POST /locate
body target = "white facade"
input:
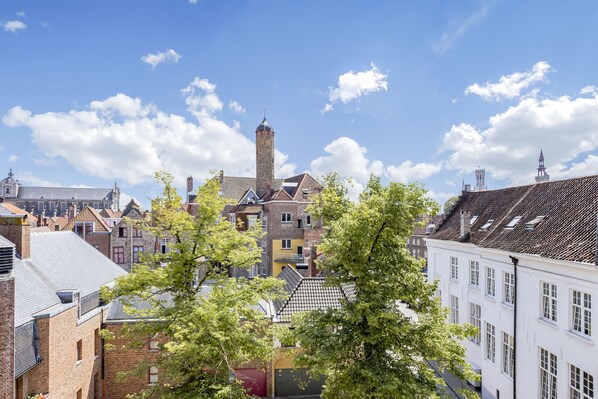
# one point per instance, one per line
(555, 301)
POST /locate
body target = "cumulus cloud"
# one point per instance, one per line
(154, 59)
(349, 159)
(352, 85)
(565, 127)
(14, 26)
(13, 158)
(123, 134)
(510, 86)
(236, 107)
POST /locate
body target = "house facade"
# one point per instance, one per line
(91, 227)
(520, 264)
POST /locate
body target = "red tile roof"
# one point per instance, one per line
(567, 232)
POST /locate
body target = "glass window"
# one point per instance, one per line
(508, 350)
(490, 342)
(475, 315)
(581, 384)
(454, 309)
(549, 301)
(286, 217)
(454, 268)
(137, 249)
(513, 222)
(548, 374)
(153, 375)
(582, 313)
(508, 288)
(286, 244)
(118, 255)
(474, 273)
(490, 282)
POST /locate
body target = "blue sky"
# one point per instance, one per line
(97, 92)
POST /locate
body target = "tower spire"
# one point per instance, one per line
(542, 175)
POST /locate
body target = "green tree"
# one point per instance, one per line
(449, 204)
(212, 322)
(371, 348)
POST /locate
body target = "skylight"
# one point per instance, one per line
(473, 220)
(487, 225)
(534, 222)
(513, 222)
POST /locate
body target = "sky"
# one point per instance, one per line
(93, 93)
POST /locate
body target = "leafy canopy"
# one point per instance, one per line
(373, 348)
(209, 322)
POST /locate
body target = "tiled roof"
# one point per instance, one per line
(235, 187)
(110, 214)
(307, 294)
(79, 193)
(59, 260)
(95, 214)
(567, 232)
(8, 208)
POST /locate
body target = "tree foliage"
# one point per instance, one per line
(449, 204)
(211, 321)
(371, 348)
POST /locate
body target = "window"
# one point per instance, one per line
(474, 273)
(137, 249)
(153, 375)
(232, 217)
(286, 244)
(307, 220)
(164, 245)
(84, 229)
(549, 301)
(582, 313)
(475, 315)
(508, 290)
(122, 231)
(487, 225)
(508, 352)
(253, 271)
(299, 223)
(153, 343)
(7, 190)
(79, 350)
(513, 222)
(490, 342)
(534, 222)
(548, 373)
(286, 217)
(96, 342)
(473, 220)
(454, 268)
(136, 232)
(454, 309)
(118, 255)
(581, 384)
(490, 282)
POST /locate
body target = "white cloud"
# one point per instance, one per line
(458, 28)
(13, 158)
(121, 137)
(566, 128)
(27, 178)
(352, 85)
(408, 171)
(14, 26)
(236, 107)
(21, 14)
(193, 1)
(349, 160)
(440, 197)
(510, 86)
(154, 59)
(45, 161)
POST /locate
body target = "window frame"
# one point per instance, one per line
(508, 352)
(286, 241)
(121, 255)
(548, 375)
(454, 262)
(286, 217)
(548, 302)
(137, 249)
(475, 319)
(581, 383)
(152, 375)
(508, 288)
(583, 326)
(490, 342)
(490, 289)
(474, 273)
(454, 306)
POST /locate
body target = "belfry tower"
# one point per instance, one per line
(542, 175)
(480, 179)
(264, 158)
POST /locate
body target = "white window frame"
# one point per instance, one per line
(581, 384)
(581, 313)
(164, 245)
(490, 348)
(152, 375)
(474, 273)
(454, 305)
(286, 243)
(490, 281)
(548, 375)
(475, 319)
(549, 294)
(286, 217)
(508, 352)
(454, 268)
(508, 290)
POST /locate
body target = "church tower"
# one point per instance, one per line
(264, 158)
(480, 179)
(9, 187)
(542, 175)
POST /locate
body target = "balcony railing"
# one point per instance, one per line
(288, 258)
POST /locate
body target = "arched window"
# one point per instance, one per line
(7, 190)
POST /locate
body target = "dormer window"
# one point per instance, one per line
(473, 220)
(534, 222)
(487, 225)
(513, 222)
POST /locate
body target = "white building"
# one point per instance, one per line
(520, 263)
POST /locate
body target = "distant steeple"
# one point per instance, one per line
(480, 179)
(542, 175)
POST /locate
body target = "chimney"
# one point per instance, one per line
(7, 320)
(40, 220)
(221, 176)
(189, 184)
(465, 225)
(17, 230)
(72, 211)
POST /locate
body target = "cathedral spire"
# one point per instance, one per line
(542, 175)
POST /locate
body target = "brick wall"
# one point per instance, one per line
(18, 231)
(264, 168)
(7, 337)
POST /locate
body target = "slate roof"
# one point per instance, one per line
(59, 260)
(27, 351)
(567, 232)
(81, 193)
(307, 294)
(235, 187)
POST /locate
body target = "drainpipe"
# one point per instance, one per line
(515, 263)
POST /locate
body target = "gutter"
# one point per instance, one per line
(515, 263)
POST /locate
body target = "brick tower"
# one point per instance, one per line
(264, 158)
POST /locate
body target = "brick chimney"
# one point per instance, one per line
(72, 211)
(7, 320)
(465, 225)
(16, 229)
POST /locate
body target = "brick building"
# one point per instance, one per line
(91, 226)
(50, 312)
